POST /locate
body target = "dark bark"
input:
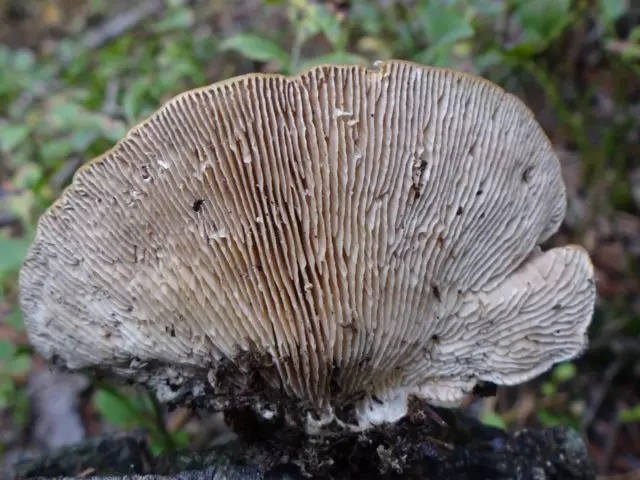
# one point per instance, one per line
(416, 447)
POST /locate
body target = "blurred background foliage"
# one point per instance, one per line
(76, 74)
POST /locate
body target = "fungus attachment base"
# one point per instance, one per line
(388, 451)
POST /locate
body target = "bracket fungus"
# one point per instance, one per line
(339, 241)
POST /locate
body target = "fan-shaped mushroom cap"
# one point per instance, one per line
(372, 233)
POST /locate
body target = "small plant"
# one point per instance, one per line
(553, 410)
(15, 359)
(309, 20)
(138, 411)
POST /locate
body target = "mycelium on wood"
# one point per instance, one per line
(346, 237)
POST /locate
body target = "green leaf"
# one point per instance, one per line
(548, 389)
(14, 319)
(55, 150)
(12, 253)
(181, 439)
(82, 140)
(178, 19)
(492, 419)
(156, 447)
(134, 98)
(64, 116)
(7, 391)
(25, 350)
(20, 410)
(541, 21)
(485, 61)
(328, 24)
(549, 419)
(255, 47)
(611, 10)
(455, 34)
(370, 19)
(489, 8)
(7, 350)
(116, 410)
(564, 372)
(24, 60)
(111, 129)
(98, 6)
(28, 175)
(630, 415)
(334, 58)
(19, 365)
(445, 25)
(13, 135)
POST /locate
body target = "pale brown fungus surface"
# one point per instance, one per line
(370, 230)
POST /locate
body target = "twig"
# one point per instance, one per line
(624, 347)
(110, 106)
(86, 472)
(433, 415)
(65, 174)
(120, 24)
(609, 446)
(609, 375)
(179, 419)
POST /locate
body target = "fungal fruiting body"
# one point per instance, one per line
(346, 236)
